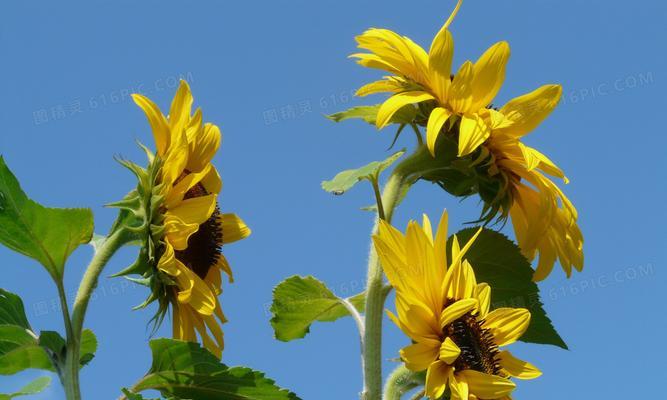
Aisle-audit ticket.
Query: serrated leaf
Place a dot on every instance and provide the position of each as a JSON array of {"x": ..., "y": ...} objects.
[
  {"x": 300, "y": 301},
  {"x": 345, "y": 180},
  {"x": 34, "y": 387},
  {"x": 56, "y": 347},
  {"x": 48, "y": 235},
  {"x": 405, "y": 115},
  {"x": 497, "y": 261},
  {"x": 188, "y": 371}
]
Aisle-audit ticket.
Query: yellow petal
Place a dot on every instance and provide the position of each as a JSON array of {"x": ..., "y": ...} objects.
[
  {"x": 460, "y": 281},
  {"x": 175, "y": 161},
  {"x": 489, "y": 74},
  {"x": 440, "y": 63},
  {"x": 181, "y": 106},
  {"x": 157, "y": 121},
  {"x": 507, "y": 324},
  {"x": 458, "y": 386},
  {"x": 456, "y": 310},
  {"x": 436, "y": 379},
  {"x": 473, "y": 132},
  {"x": 419, "y": 356},
  {"x": 195, "y": 210},
  {"x": 428, "y": 229},
  {"x": 224, "y": 266},
  {"x": 233, "y": 228},
  {"x": 518, "y": 368},
  {"x": 483, "y": 295},
  {"x": 449, "y": 351},
  {"x": 176, "y": 193},
  {"x": 436, "y": 120},
  {"x": 395, "y": 103},
  {"x": 203, "y": 146},
  {"x": 195, "y": 292},
  {"x": 460, "y": 92},
  {"x": 440, "y": 243},
  {"x": 528, "y": 111},
  {"x": 211, "y": 181},
  {"x": 487, "y": 386},
  {"x": 385, "y": 85}
]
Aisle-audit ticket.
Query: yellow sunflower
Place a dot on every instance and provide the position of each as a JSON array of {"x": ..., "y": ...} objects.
[
  {"x": 545, "y": 221},
  {"x": 445, "y": 312},
  {"x": 190, "y": 228}
]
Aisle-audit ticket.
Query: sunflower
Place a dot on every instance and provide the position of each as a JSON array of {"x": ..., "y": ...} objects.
[
  {"x": 545, "y": 221},
  {"x": 188, "y": 227},
  {"x": 445, "y": 312},
  {"x": 427, "y": 77}
]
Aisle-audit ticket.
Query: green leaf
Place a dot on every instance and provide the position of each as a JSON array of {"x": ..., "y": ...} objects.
[
  {"x": 405, "y": 115},
  {"x": 497, "y": 261},
  {"x": 12, "y": 311},
  {"x": 33, "y": 387},
  {"x": 20, "y": 350},
  {"x": 346, "y": 179},
  {"x": 88, "y": 346},
  {"x": 186, "y": 370},
  {"x": 48, "y": 235},
  {"x": 19, "y": 346},
  {"x": 300, "y": 301}
]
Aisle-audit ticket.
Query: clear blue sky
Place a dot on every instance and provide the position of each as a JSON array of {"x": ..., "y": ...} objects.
[{"x": 266, "y": 72}]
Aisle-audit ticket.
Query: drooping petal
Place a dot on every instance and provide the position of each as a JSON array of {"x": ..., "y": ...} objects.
[
  {"x": 473, "y": 132},
  {"x": 458, "y": 386},
  {"x": 456, "y": 310},
  {"x": 233, "y": 228},
  {"x": 528, "y": 111},
  {"x": 395, "y": 103},
  {"x": 518, "y": 368},
  {"x": 489, "y": 74},
  {"x": 507, "y": 324},
  {"x": 436, "y": 379},
  {"x": 449, "y": 351},
  {"x": 419, "y": 356},
  {"x": 436, "y": 120},
  {"x": 487, "y": 386}
]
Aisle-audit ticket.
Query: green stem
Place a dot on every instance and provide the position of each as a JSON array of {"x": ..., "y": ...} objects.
[
  {"x": 375, "y": 298},
  {"x": 400, "y": 382},
  {"x": 68, "y": 329},
  {"x": 88, "y": 284},
  {"x": 375, "y": 292}
]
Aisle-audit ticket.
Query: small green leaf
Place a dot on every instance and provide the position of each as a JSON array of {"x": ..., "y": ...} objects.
[
  {"x": 48, "y": 235},
  {"x": 134, "y": 396},
  {"x": 497, "y": 261},
  {"x": 346, "y": 179},
  {"x": 34, "y": 387},
  {"x": 405, "y": 115},
  {"x": 185, "y": 370},
  {"x": 12, "y": 311},
  {"x": 88, "y": 346},
  {"x": 300, "y": 301}
]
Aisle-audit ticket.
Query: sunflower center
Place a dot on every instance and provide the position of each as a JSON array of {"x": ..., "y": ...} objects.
[
  {"x": 478, "y": 351},
  {"x": 204, "y": 245}
]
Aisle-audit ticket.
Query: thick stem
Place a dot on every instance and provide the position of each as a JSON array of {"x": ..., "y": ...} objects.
[
  {"x": 88, "y": 284},
  {"x": 375, "y": 298},
  {"x": 400, "y": 382}
]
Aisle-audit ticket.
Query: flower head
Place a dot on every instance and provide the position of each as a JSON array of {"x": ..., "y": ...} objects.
[
  {"x": 446, "y": 313},
  {"x": 181, "y": 259},
  {"x": 510, "y": 176}
]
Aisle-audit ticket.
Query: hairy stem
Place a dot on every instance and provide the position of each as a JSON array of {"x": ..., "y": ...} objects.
[
  {"x": 400, "y": 382},
  {"x": 375, "y": 298},
  {"x": 375, "y": 291},
  {"x": 88, "y": 284}
]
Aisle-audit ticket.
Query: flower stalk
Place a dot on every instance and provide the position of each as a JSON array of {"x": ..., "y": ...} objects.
[{"x": 74, "y": 326}]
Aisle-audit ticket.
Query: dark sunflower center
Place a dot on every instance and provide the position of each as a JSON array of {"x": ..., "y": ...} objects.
[
  {"x": 478, "y": 351},
  {"x": 204, "y": 246}
]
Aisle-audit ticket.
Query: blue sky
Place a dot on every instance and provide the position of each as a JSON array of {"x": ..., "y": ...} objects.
[{"x": 266, "y": 72}]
